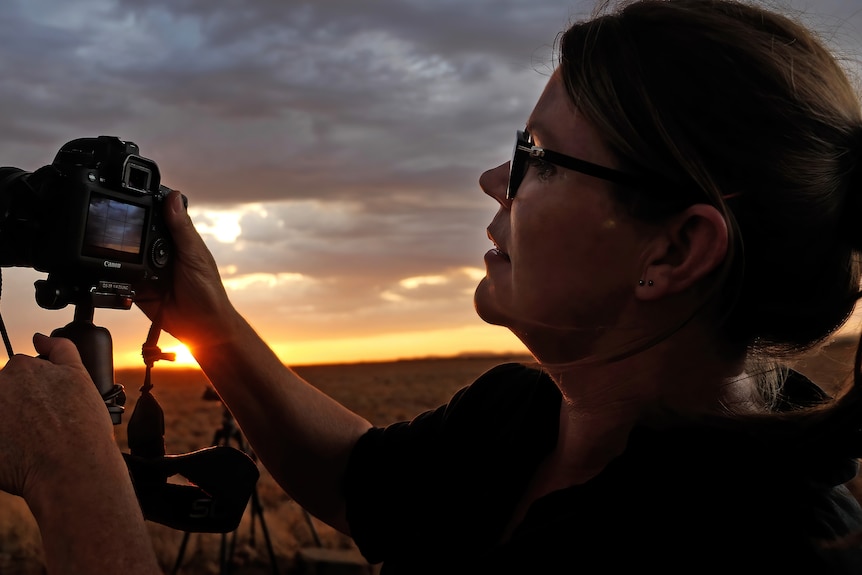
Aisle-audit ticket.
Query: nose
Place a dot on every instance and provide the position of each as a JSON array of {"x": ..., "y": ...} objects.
[{"x": 494, "y": 183}]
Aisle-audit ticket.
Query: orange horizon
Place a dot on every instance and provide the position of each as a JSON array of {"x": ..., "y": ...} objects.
[{"x": 481, "y": 340}]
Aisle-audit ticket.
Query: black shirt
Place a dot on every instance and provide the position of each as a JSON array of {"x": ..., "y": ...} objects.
[{"x": 434, "y": 495}]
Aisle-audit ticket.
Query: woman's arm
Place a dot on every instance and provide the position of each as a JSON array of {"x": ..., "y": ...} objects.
[{"x": 301, "y": 435}]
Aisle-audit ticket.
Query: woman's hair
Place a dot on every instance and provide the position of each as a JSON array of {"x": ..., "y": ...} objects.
[{"x": 747, "y": 110}]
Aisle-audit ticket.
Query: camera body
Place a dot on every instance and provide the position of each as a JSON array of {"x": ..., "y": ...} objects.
[{"x": 92, "y": 220}]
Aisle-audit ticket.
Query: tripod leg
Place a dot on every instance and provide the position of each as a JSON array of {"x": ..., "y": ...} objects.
[
  {"x": 312, "y": 527},
  {"x": 251, "y": 531},
  {"x": 257, "y": 510},
  {"x": 225, "y": 562},
  {"x": 180, "y": 554}
]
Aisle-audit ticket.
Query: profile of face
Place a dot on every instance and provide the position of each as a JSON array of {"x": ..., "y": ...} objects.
[{"x": 567, "y": 259}]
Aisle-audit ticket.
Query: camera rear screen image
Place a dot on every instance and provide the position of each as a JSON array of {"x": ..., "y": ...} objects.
[{"x": 114, "y": 229}]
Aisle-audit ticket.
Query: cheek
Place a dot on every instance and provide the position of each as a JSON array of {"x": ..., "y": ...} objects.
[{"x": 570, "y": 271}]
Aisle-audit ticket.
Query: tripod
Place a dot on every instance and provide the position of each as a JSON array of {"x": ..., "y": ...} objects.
[{"x": 230, "y": 432}]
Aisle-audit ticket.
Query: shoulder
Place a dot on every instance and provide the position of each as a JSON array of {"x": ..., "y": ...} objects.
[
  {"x": 451, "y": 475},
  {"x": 507, "y": 399},
  {"x": 509, "y": 386}
]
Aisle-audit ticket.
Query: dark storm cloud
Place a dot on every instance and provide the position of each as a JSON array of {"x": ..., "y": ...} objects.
[{"x": 265, "y": 96}]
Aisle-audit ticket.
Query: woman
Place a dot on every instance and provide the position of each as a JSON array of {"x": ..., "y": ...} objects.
[{"x": 678, "y": 216}]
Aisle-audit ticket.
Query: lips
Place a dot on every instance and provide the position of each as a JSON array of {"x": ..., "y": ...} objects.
[{"x": 498, "y": 251}]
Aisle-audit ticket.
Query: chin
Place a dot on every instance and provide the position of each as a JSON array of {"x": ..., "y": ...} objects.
[{"x": 487, "y": 308}]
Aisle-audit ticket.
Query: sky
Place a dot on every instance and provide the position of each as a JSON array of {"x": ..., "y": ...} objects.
[{"x": 330, "y": 150}]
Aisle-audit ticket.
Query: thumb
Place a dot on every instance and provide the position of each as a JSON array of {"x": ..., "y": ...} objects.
[
  {"x": 183, "y": 232},
  {"x": 58, "y": 350},
  {"x": 176, "y": 215}
]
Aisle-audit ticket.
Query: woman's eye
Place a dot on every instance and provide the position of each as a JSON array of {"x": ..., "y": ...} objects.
[{"x": 544, "y": 169}]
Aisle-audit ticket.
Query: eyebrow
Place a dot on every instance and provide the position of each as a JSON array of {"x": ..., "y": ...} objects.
[
  {"x": 531, "y": 127},
  {"x": 538, "y": 130},
  {"x": 535, "y": 132}
]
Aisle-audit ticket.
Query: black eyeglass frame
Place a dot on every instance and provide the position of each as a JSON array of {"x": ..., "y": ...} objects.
[{"x": 524, "y": 149}]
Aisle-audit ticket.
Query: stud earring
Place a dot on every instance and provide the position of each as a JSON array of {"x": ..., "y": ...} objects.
[
  {"x": 641, "y": 283},
  {"x": 650, "y": 283}
]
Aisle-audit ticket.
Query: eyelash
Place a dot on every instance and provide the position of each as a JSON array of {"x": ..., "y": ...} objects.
[{"x": 544, "y": 168}]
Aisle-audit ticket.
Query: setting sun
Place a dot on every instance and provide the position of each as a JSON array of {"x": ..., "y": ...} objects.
[{"x": 184, "y": 357}]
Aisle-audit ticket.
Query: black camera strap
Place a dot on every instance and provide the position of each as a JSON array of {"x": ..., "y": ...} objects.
[
  {"x": 146, "y": 427},
  {"x": 221, "y": 479},
  {"x": 3, "y": 331}
]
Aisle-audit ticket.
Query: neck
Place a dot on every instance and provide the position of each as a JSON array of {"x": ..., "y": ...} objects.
[{"x": 679, "y": 378}]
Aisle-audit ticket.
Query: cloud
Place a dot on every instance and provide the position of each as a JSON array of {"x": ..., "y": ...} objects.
[
  {"x": 330, "y": 150},
  {"x": 277, "y": 101}
]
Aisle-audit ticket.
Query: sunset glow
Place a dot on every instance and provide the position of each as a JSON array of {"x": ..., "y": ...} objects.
[
  {"x": 480, "y": 339},
  {"x": 184, "y": 357}
]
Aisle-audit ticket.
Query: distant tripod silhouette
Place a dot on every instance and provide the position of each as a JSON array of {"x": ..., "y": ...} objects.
[{"x": 228, "y": 432}]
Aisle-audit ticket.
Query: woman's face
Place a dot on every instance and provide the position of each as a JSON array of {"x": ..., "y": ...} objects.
[{"x": 567, "y": 259}]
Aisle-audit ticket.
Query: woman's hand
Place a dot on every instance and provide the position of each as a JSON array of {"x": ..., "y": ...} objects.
[{"x": 194, "y": 306}]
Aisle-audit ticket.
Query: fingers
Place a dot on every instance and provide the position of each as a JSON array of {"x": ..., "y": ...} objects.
[
  {"x": 58, "y": 350},
  {"x": 175, "y": 210},
  {"x": 190, "y": 247},
  {"x": 182, "y": 230}
]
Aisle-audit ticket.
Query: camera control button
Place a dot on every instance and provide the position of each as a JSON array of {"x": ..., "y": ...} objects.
[{"x": 160, "y": 253}]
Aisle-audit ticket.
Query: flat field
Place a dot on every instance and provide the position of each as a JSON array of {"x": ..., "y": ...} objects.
[{"x": 381, "y": 392}]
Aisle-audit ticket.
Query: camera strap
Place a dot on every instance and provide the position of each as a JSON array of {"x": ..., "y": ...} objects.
[
  {"x": 3, "y": 331},
  {"x": 221, "y": 479},
  {"x": 146, "y": 427}
]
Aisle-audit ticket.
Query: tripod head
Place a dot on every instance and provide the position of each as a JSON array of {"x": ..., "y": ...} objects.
[
  {"x": 96, "y": 349},
  {"x": 221, "y": 479}
]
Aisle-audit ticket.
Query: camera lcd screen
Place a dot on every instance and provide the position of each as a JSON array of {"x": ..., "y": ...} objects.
[{"x": 114, "y": 229}]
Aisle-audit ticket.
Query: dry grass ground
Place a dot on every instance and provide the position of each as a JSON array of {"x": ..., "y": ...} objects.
[{"x": 381, "y": 392}]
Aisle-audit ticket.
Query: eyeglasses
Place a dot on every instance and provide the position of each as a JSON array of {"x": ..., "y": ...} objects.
[{"x": 525, "y": 151}]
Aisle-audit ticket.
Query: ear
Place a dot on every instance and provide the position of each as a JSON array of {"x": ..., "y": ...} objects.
[{"x": 688, "y": 248}]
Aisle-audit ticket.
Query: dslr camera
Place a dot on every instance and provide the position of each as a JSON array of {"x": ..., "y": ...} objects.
[{"x": 92, "y": 220}]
